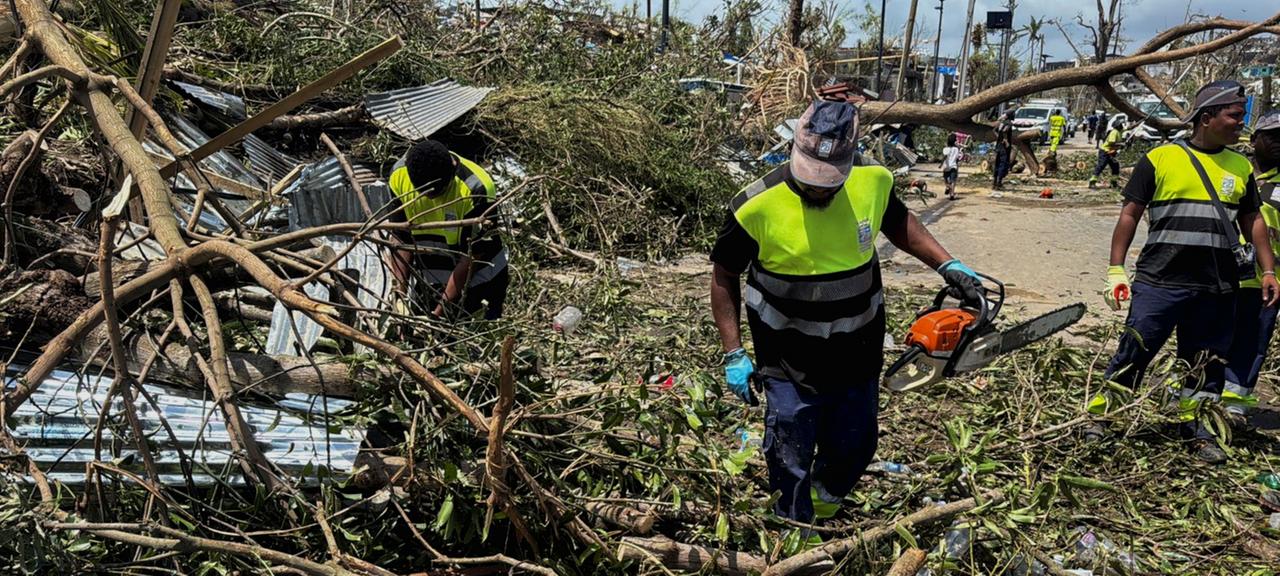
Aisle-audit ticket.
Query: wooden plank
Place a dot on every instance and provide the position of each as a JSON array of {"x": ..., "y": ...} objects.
[
  {"x": 292, "y": 101},
  {"x": 218, "y": 181},
  {"x": 152, "y": 68}
]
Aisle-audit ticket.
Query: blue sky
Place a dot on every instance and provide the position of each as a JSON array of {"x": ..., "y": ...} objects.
[{"x": 1143, "y": 18}]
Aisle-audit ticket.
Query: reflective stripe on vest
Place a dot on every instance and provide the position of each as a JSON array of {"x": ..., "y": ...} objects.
[
  {"x": 481, "y": 272},
  {"x": 1181, "y": 211},
  {"x": 816, "y": 271}
]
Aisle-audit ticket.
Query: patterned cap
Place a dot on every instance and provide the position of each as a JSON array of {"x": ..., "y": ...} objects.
[
  {"x": 826, "y": 144},
  {"x": 1268, "y": 121}
]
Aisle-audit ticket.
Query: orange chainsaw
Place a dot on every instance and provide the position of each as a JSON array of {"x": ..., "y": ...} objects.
[{"x": 946, "y": 341}]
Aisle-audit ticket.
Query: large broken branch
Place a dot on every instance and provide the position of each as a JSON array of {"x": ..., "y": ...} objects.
[{"x": 959, "y": 116}]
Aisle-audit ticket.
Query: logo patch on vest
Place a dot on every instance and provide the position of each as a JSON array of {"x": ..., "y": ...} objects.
[
  {"x": 864, "y": 235},
  {"x": 1228, "y": 185}
]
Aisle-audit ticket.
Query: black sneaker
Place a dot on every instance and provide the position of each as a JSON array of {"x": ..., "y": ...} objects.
[{"x": 1207, "y": 450}]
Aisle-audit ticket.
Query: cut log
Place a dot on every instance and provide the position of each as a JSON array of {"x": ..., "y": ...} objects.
[
  {"x": 909, "y": 563},
  {"x": 688, "y": 557},
  {"x": 637, "y": 522}
]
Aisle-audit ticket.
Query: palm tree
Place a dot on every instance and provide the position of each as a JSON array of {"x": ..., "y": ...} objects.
[{"x": 1034, "y": 30}]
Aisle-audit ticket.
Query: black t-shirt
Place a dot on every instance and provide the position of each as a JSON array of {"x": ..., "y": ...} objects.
[
  {"x": 842, "y": 360},
  {"x": 1176, "y": 266}
]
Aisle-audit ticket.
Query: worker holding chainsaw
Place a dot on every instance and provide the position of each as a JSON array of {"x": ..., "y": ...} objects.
[
  {"x": 1195, "y": 194},
  {"x": 1255, "y": 322},
  {"x": 805, "y": 237}
]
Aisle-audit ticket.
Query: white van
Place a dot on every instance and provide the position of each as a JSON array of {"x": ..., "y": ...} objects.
[{"x": 1036, "y": 115}]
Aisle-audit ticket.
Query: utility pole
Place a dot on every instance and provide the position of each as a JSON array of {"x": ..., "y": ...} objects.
[
  {"x": 964, "y": 53},
  {"x": 880, "y": 51},
  {"x": 937, "y": 42},
  {"x": 666, "y": 25},
  {"x": 648, "y": 17},
  {"x": 906, "y": 49}
]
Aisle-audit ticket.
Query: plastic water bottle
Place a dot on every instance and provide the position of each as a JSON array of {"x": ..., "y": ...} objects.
[
  {"x": 889, "y": 468},
  {"x": 957, "y": 541},
  {"x": 1091, "y": 548},
  {"x": 748, "y": 439},
  {"x": 567, "y": 320},
  {"x": 628, "y": 267}
]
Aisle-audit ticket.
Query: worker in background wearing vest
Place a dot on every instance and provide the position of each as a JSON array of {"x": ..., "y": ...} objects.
[
  {"x": 462, "y": 266},
  {"x": 1057, "y": 127},
  {"x": 1108, "y": 152},
  {"x": 1255, "y": 322},
  {"x": 1187, "y": 274},
  {"x": 805, "y": 236}
]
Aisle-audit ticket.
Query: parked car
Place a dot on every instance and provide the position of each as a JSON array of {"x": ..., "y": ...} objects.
[
  {"x": 1152, "y": 107},
  {"x": 1036, "y": 115}
]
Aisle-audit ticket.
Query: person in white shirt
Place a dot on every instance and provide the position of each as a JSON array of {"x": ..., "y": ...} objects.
[{"x": 951, "y": 166}]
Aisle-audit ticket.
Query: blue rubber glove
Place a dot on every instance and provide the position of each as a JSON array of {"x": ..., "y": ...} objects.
[
  {"x": 737, "y": 372},
  {"x": 963, "y": 283}
]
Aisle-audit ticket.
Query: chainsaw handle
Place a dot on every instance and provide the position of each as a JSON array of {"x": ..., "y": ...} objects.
[{"x": 989, "y": 304}]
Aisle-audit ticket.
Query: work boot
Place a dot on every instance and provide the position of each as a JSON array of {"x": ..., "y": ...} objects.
[{"x": 1207, "y": 450}]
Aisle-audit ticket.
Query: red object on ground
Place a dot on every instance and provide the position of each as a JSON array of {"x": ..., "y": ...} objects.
[{"x": 1046, "y": 193}]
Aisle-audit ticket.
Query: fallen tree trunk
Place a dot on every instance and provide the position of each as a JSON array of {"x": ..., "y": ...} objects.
[{"x": 688, "y": 557}]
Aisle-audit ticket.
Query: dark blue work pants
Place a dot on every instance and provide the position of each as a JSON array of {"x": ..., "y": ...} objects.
[
  {"x": 840, "y": 425},
  {"x": 1255, "y": 324},
  {"x": 1204, "y": 321},
  {"x": 1106, "y": 161}
]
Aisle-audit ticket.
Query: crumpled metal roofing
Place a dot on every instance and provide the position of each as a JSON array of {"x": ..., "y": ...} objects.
[
  {"x": 266, "y": 162},
  {"x": 322, "y": 195},
  {"x": 56, "y": 426},
  {"x": 417, "y": 113},
  {"x": 220, "y": 163},
  {"x": 229, "y": 105}
]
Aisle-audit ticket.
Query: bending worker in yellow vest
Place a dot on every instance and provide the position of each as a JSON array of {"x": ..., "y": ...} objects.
[
  {"x": 1255, "y": 322},
  {"x": 1192, "y": 264},
  {"x": 460, "y": 265},
  {"x": 1057, "y": 129},
  {"x": 805, "y": 237}
]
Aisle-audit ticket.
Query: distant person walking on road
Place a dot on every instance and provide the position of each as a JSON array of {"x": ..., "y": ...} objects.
[
  {"x": 1004, "y": 149},
  {"x": 1057, "y": 130},
  {"x": 1092, "y": 121},
  {"x": 951, "y": 165}
]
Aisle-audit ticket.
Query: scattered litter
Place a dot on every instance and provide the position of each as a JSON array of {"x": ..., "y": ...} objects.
[
  {"x": 1093, "y": 549},
  {"x": 996, "y": 194},
  {"x": 567, "y": 320},
  {"x": 1046, "y": 193},
  {"x": 889, "y": 468},
  {"x": 1270, "y": 480},
  {"x": 958, "y": 539},
  {"x": 628, "y": 267}
]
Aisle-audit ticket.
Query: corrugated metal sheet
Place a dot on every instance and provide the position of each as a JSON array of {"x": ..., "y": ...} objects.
[
  {"x": 417, "y": 113},
  {"x": 228, "y": 105},
  {"x": 266, "y": 162},
  {"x": 57, "y": 424},
  {"x": 220, "y": 163},
  {"x": 322, "y": 195}
]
